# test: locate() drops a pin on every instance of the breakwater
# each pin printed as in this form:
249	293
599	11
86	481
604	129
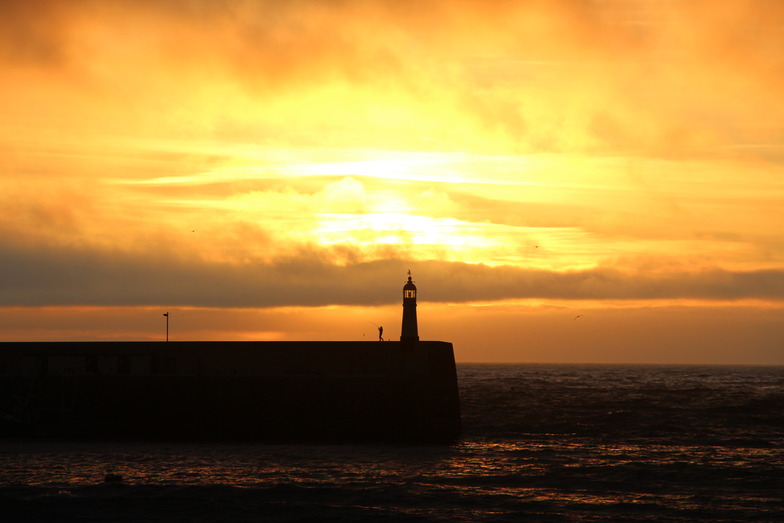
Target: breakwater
264	391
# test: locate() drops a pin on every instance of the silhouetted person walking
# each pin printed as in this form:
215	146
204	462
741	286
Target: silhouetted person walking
381	333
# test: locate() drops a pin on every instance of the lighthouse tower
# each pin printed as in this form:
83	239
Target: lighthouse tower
409	332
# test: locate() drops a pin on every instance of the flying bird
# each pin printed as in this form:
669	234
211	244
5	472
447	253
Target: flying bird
578	316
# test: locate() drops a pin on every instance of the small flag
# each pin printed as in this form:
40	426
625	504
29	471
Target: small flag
166	314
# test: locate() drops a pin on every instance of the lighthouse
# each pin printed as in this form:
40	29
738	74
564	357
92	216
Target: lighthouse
409	332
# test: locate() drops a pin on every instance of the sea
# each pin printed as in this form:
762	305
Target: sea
539	443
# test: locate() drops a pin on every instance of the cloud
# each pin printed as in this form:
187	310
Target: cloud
664	79
71	276
34	33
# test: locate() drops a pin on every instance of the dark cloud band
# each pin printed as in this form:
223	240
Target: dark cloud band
68	276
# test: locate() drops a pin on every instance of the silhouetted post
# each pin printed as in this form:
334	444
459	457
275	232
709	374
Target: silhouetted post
409	332
167	325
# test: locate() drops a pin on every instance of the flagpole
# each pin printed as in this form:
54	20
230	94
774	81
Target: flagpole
167	325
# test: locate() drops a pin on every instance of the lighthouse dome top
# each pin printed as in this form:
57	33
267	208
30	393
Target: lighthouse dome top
410	285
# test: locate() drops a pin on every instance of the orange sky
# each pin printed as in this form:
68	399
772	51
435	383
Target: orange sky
271	170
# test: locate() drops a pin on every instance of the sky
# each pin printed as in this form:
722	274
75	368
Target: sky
567	180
